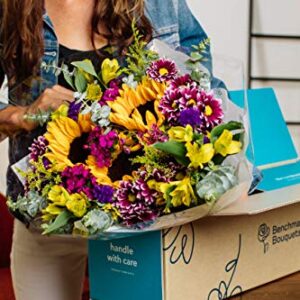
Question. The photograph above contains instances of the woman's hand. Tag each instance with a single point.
(50, 99)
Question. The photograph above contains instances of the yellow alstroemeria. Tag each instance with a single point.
(62, 111)
(199, 155)
(225, 145)
(77, 204)
(93, 92)
(109, 69)
(52, 210)
(183, 194)
(58, 195)
(181, 134)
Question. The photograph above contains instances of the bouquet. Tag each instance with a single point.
(145, 140)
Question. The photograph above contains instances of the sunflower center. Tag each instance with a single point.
(208, 111)
(77, 153)
(163, 71)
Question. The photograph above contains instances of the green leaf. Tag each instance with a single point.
(69, 79)
(60, 221)
(80, 82)
(218, 130)
(87, 66)
(175, 149)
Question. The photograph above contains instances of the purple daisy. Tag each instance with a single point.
(183, 81)
(78, 179)
(190, 116)
(130, 203)
(38, 148)
(162, 70)
(211, 110)
(111, 93)
(74, 110)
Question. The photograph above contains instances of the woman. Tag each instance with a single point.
(33, 32)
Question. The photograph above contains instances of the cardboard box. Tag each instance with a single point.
(248, 244)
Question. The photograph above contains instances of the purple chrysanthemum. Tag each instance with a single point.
(190, 116)
(111, 93)
(103, 193)
(183, 81)
(162, 70)
(102, 145)
(74, 110)
(211, 110)
(175, 101)
(132, 207)
(38, 148)
(78, 179)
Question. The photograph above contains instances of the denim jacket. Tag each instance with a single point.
(173, 23)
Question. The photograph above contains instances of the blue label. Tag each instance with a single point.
(127, 269)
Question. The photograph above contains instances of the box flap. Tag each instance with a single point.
(274, 150)
(272, 142)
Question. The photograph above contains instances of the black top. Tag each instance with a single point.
(67, 56)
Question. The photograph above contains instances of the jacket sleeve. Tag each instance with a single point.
(192, 33)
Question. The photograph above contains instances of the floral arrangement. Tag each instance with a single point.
(139, 142)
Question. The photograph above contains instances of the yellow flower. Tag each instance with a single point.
(58, 195)
(125, 108)
(53, 210)
(77, 204)
(60, 134)
(62, 111)
(101, 174)
(225, 145)
(199, 155)
(181, 134)
(109, 69)
(94, 92)
(183, 194)
(108, 208)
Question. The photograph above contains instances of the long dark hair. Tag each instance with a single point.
(22, 24)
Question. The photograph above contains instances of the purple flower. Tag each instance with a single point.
(103, 193)
(38, 148)
(102, 146)
(190, 116)
(177, 100)
(183, 81)
(78, 179)
(211, 110)
(162, 70)
(111, 93)
(154, 135)
(74, 110)
(131, 204)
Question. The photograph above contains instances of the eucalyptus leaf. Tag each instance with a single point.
(87, 66)
(61, 220)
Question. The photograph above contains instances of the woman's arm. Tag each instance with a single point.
(12, 118)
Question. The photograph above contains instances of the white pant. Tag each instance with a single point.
(47, 268)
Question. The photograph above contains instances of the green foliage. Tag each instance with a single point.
(40, 117)
(138, 57)
(218, 130)
(216, 183)
(154, 159)
(175, 149)
(80, 82)
(86, 66)
(196, 57)
(61, 220)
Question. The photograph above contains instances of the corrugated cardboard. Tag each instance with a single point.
(250, 243)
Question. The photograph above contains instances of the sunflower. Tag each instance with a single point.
(125, 108)
(65, 136)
